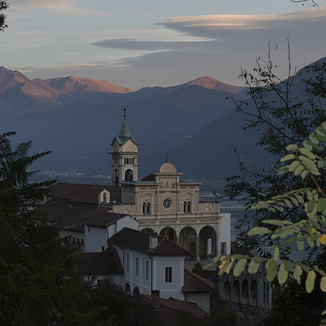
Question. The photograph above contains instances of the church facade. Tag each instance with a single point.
(164, 203)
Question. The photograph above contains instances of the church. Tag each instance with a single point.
(160, 202)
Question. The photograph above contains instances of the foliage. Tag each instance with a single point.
(34, 260)
(108, 304)
(281, 111)
(306, 160)
(37, 283)
(291, 305)
(3, 6)
(198, 269)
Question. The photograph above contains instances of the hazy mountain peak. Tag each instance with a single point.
(9, 78)
(213, 83)
(74, 84)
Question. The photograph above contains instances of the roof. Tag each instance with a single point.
(99, 263)
(103, 218)
(72, 216)
(124, 132)
(166, 247)
(139, 241)
(83, 193)
(196, 283)
(169, 304)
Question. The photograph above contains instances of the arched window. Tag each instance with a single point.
(187, 207)
(236, 291)
(146, 207)
(227, 291)
(129, 175)
(245, 292)
(253, 292)
(116, 177)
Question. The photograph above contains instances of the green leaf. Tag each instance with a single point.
(292, 147)
(293, 166)
(307, 153)
(271, 270)
(258, 259)
(321, 204)
(239, 267)
(288, 203)
(297, 274)
(258, 231)
(288, 265)
(277, 222)
(323, 284)
(310, 281)
(288, 157)
(294, 201)
(309, 206)
(282, 275)
(314, 139)
(253, 267)
(298, 170)
(276, 253)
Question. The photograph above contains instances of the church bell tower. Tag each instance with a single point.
(124, 156)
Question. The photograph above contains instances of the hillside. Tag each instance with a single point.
(77, 118)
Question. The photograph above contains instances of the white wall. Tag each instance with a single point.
(127, 222)
(225, 231)
(134, 279)
(95, 238)
(174, 288)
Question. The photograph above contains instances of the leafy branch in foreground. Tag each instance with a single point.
(307, 231)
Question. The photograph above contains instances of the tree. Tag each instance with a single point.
(3, 6)
(34, 261)
(291, 200)
(281, 111)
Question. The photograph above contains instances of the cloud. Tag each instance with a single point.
(132, 44)
(68, 7)
(219, 26)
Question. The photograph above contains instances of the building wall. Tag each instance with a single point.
(201, 299)
(173, 288)
(133, 277)
(95, 238)
(225, 234)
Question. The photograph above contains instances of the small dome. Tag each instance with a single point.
(168, 167)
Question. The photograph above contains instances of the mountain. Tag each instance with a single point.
(77, 118)
(73, 85)
(21, 95)
(212, 83)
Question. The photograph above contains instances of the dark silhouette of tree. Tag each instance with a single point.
(34, 261)
(3, 6)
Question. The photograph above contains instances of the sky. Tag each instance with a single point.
(144, 43)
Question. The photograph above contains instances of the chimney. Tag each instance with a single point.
(153, 241)
(156, 299)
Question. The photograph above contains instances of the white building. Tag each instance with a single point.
(142, 263)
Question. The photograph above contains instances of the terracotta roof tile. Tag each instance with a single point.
(139, 241)
(132, 239)
(83, 193)
(100, 263)
(179, 305)
(72, 216)
(196, 283)
(167, 248)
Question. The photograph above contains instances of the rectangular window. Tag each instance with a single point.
(127, 263)
(223, 248)
(146, 269)
(168, 274)
(136, 267)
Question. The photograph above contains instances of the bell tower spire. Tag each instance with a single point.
(124, 156)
